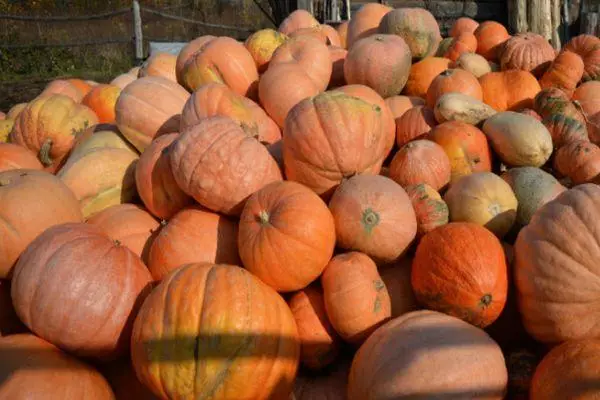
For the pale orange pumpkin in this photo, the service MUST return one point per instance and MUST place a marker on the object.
(187, 52)
(365, 22)
(527, 52)
(421, 161)
(65, 88)
(160, 64)
(453, 80)
(414, 124)
(398, 105)
(462, 25)
(298, 19)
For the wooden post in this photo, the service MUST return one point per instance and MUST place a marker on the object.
(566, 17)
(589, 23)
(348, 10)
(555, 23)
(517, 15)
(137, 33)
(540, 17)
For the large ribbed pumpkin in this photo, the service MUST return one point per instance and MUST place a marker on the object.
(286, 235)
(426, 354)
(527, 52)
(13, 156)
(80, 290)
(32, 368)
(32, 201)
(149, 107)
(215, 331)
(220, 166)
(421, 161)
(365, 22)
(373, 215)
(332, 136)
(193, 235)
(557, 267)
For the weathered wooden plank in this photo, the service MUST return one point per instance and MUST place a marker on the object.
(589, 23)
(452, 9)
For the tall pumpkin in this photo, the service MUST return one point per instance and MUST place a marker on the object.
(232, 331)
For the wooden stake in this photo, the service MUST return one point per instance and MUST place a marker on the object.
(137, 32)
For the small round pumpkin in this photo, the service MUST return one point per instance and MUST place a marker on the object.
(464, 43)
(373, 215)
(286, 235)
(396, 277)
(13, 156)
(398, 105)
(356, 299)
(298, 19)
(423, 73)
(509, 90)
(187, 52)
(102, 100)
(588, 48)
(193, 235)
(527, 52)
(462, 25)
(579, 161)
(414, 124)
(453, 80)
(485, 199)
(491, 36)
(565, 73)
(262, 44)
(365, 22)
(218, 147)
(160, 64)
(421, 161)
(430, 209)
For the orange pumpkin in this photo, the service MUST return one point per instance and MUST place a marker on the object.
(102, 100)
(160, 64)
(396, 277)
(564, 73)
(453, 80)
(373, 215)
(565, 130)
(491, 36)
(333, 38)
(464, 43)
(430, 209)
(414, 124)
(586, 96)
(13, 157)
(226, 322)
(365, 22)
(356, 299)
(462, 25)
(262, 44)
(527, 52)
(389, 75)
(423, 73)
(588, 48)
(421, 161)
(193, 235)
(338, 58)
(320, 344)
(578, 160)
(63, 87)
(509, 90)
(398, 105)
(298, 19)
(342, 30)
(187, 52)
(286, 235)
(460, 269)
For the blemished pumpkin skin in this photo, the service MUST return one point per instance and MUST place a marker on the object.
(579, 160)
(49, 125)
(414, 356)
(365, 22)
(130, 225)
(465, 145)
(333, 37)
(218, 147)
(554, 101)
(102, 99)
(330, 384)
(262, 44)
(527, 52)
(15, 110)
(349, 133)
(149, 107)
(230, 323)
(389, 75)
(557, 253)
(588, 48)
(25, 213)
(13, 157)
(356, 299)
(533, 188)
(310, 54)
(320, 343)
(223, 60)
(187, 52)
(398, 105)
(475, 64)
(462, 25)
(35, 369)
(491, 37)
(422, 73)
(154, 179)
(460, 269)
(461, 107)
(338, 58)
(100, 178)
(396, 277)
(509, 90)
(421, 161)
(215, 99)
(283, 86)
(565, 73)
(124, 383)
(568, 371)
(565, 130)
(98, 137)
(298, 19)
(342, 30)
(160, 64)
(286, 235)
(417, 26)
(9, 322)
(464, 43)
(193, 235)
(414, 124)
(63, 87)
(485, 199)
(123, 80)
(453, 81)
(84, 303)
(430, 209)
(373, 215)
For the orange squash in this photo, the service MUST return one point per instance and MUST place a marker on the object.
(462, 25)
(430, 209)
(578, 160)
(464, 43)
(565, 73)
(262, 44)
(527, 52)
(187, 52)
(588, 48)
(365, 22)
(13, 157)
(422, 75)
(414, 124)
(102, 100)
(160, 64)
(491, 36)
(509, 90)
(453, 80)
(421, 161)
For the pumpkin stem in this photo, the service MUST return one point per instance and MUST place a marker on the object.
(447, 72)
(485, 300)
(117, 242)
(45, 152)
(263, 217)
(370, 219)
(4, 182)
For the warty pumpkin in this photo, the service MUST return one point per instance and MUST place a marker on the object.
(491, 36)
(452, 81)
(421, 161)
(431, 211)
(565, 72)
(102, 100)
(422, 73)
(527, 52)
(160, 64)
(13, 156)
(365, 22)
(509, 90)
(262, 44)
(588, 48)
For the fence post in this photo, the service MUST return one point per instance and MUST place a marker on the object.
(137, 33)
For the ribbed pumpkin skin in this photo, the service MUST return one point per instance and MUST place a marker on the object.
(64, 87)
(187, 52)
(426, 354)
(527, 52)
(48, 127)
(568, 372)
(218, 147)
(373, 215)
(262, 44)
(15, 110)
(389, 75)
(462, 25)
(102, 99)
(490, 35)
(509, 90)
(26, 213)
(193, 235)
(533, 188)
(149, 107)
(554, 101)
(13, 156)
(453, 80)
(396, 277)
(421, 161)
(101, 136)
(353, 142)
(417, 26)
(286, 235)
(233, 330)
(356, 299)
(557, 254)
(565, 130)
(78, 289)
(213, 99)
(35, 369)
(565, 73)
(414, 124)
(398, 105)
(155, 182)
(588, 48)
(298, 19)
(365, 22)
(579, 160)
(430, 209)
(320, 343)
(423, 73)
(160, 64)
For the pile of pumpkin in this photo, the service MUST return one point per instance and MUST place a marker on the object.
(367, 212)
